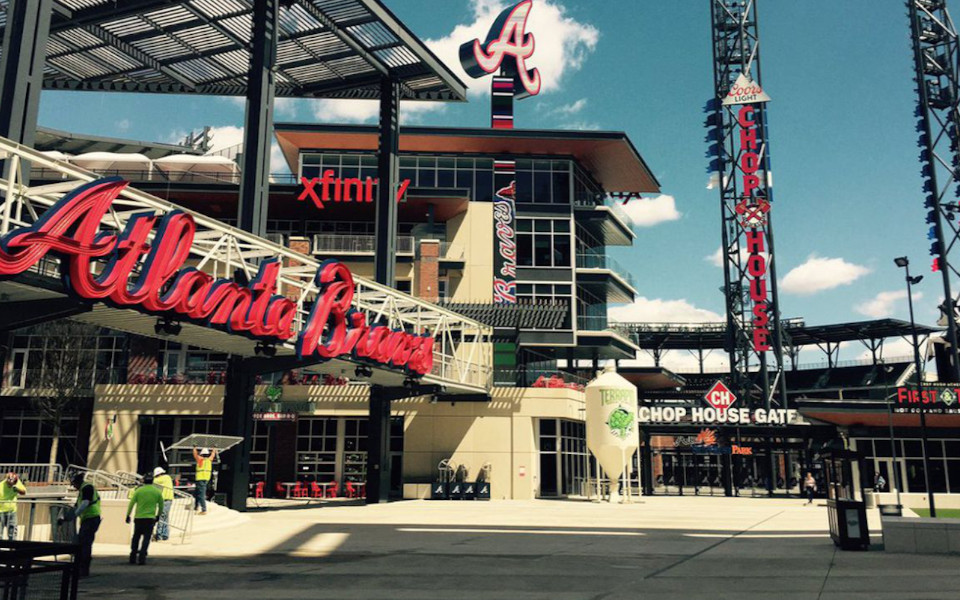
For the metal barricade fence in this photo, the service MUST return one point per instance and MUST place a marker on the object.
(35, 473)
(121, 484)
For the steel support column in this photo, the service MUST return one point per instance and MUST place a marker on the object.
(387, 170)
(21, 67)
(238, 421)
(258, 122)
(378, 446)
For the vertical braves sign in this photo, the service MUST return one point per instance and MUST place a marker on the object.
(505, 243)
(753, 207)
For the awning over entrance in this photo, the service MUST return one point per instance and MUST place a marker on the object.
(461, 353)
(866, 413)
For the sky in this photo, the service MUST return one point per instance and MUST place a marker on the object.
(841, 130)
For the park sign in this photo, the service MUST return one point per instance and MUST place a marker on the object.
(131, 271)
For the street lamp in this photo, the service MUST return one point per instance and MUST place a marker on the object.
(894, 473)
(904, 263)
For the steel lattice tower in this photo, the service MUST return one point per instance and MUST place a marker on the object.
(936, 52)
(736, 51)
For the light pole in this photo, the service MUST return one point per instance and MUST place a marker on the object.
(904, 263)
(895, 470)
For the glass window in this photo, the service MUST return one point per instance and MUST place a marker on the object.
(548, 427)
(953, 473)
(445, 178)
(426, 178)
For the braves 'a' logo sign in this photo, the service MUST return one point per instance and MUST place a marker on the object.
(507, 47)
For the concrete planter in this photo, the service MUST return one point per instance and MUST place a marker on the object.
(921, 536)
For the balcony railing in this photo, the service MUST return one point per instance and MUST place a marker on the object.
(537, 378)
(611, 204)
(158, 176)
(326, 243)
(82, 380)
(602, 261)
(593, 322)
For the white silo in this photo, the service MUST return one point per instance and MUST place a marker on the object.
(612, 434)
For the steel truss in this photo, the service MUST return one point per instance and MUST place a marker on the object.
(936, 54)
(463, 351)
(736, 50)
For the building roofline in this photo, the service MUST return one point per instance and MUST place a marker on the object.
(478, 132)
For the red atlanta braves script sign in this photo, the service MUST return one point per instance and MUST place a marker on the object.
(507, 47)
(163, 284)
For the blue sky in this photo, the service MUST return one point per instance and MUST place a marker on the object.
(843, 145)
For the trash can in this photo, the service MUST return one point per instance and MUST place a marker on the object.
(870, 499)
(848, 524)
(438, 491)
(482, 491)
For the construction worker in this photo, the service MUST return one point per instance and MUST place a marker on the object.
(148, 500)
(87, 509)
(10, 488)
(165, 483)
(204, 460)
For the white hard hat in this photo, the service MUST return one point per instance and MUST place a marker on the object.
(158, 472)
(205, 452)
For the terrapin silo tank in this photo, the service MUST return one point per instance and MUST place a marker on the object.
(611, 415)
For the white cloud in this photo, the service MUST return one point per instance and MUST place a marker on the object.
(286, 107)
(882, 304)
(647, 212)
(570, 109)
(562, 43)
(224, 137)
(819, 274)
(658, 310)
(368, 111)
(228, 136)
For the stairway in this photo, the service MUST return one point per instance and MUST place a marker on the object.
(217, 518)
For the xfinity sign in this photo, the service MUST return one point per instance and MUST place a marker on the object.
(720, 397)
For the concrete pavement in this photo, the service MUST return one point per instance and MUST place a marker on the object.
(690, 548)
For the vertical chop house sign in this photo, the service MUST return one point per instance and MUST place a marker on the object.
(753, 207)
(151, 276)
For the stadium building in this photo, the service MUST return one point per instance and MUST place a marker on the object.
(492, 243)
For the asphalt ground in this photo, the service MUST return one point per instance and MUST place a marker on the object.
(689, 548)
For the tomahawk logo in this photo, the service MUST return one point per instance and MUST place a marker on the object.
(507, 47)
(706, 437)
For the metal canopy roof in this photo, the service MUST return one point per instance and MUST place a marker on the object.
(692, 336)
(326, 49)
(79, 143)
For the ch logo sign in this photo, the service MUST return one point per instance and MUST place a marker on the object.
(720, 397)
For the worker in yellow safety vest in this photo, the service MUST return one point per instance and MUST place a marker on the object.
(204, 458)
(87, 509)
(10, 488)
(165, 483)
